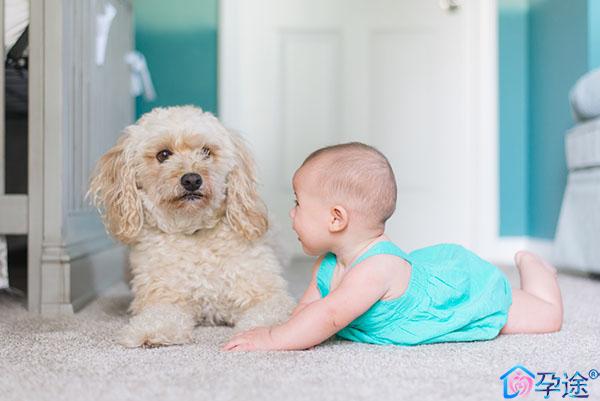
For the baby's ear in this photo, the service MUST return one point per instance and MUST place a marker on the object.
(338, 219)
(246, 213)
(113, 191)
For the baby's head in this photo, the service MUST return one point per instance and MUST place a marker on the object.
(343, 187)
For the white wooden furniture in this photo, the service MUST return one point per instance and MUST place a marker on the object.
(76, 110)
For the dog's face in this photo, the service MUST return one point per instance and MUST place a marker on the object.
(181, 175)
(180, 170)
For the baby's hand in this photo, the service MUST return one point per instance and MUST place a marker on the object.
(252, 340)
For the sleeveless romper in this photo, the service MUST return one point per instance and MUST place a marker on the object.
(452, 295)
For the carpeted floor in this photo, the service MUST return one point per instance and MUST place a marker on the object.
(75, 358)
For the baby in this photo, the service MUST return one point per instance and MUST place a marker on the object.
(366, 289)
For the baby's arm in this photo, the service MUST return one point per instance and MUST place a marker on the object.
(319, 320)
(312, 293)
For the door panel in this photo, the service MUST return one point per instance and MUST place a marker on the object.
(389, 73)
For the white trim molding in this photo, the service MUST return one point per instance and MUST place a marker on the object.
(484, 128)
(486, 240)
(503, 249)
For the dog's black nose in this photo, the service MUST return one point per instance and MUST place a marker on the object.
(191, 181)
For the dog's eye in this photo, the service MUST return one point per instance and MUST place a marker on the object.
(163, 155)
(206, 151)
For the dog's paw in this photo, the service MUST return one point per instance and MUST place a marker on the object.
(158, 325)
(131, 337)
(272, 311)
(244, 325)
(134, 337)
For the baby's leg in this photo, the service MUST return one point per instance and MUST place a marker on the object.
(537, 306)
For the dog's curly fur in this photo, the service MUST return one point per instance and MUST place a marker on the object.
(197, 256)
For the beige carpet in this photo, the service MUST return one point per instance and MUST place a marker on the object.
(75, 358)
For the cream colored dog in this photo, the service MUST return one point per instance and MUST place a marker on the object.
(180, 190)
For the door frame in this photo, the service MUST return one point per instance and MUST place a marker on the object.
(482, 100)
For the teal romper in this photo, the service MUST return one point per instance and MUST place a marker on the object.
(452, 295)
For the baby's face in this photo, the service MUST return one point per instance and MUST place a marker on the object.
(310, 214)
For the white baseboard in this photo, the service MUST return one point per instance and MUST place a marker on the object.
(543, 247)
(502, 250)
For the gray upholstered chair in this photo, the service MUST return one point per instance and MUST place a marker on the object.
(577, 243)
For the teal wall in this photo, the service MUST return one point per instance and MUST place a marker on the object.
(594, 33)
(513, 51)
(544, 47)
(558, 57)
(179, 40)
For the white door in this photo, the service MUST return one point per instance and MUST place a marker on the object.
(300, 74)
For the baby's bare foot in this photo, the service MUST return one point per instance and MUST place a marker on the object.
(525, 258)
(539, 278)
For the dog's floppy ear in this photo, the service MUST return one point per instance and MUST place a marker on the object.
(113, 191)
(245, 213)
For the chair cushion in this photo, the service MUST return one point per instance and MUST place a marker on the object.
(582, 145)
(585, 96)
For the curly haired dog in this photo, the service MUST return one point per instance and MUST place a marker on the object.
(180, 190)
